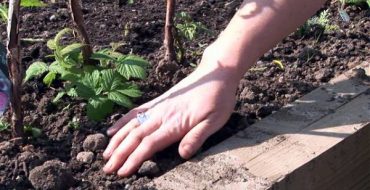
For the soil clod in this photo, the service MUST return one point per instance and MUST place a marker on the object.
(95, 142)
(149, 168)
(52, 175)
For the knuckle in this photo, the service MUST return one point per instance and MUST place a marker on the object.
(137, 135)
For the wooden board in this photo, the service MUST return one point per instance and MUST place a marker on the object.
(318, 142)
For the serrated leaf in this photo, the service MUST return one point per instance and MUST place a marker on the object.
(85, 91)
(98, 108)
(72, 48)
(51, 45)
(110, 80)
(49, 78)
(58, 97)
(132, 66)
(100, 56)
(130, 91)
(120, 99)
(36, 69)
(60, 34)
(72, 92)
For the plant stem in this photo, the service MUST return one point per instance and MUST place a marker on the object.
(78, 20)
(168, 34)
(14, 65)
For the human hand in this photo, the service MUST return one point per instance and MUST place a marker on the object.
(191, 111)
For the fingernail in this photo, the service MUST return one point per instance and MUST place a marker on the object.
(107, 167)
(106, 154)
(122, 171)
(188, 150)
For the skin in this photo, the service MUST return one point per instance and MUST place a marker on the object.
(201, 103)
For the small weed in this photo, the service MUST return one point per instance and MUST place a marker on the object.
(322, 22)
(186, 30)
(4, 125)
(33, 131)
(74, 124)
(32, 3)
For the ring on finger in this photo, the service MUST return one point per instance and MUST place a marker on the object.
(142, 117)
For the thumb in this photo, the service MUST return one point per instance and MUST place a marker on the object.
(195, 138)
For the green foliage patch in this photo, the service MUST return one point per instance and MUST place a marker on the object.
(3, 12)
(186, 30)
(102, 85)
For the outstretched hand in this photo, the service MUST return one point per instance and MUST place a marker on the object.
(191, 111)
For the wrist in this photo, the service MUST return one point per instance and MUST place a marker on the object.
(231, 60)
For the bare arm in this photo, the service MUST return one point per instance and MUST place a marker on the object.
(258, 26)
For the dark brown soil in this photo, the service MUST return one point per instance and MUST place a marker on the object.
(263, 90)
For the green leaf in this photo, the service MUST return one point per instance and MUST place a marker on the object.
(32, 3)
(70, 49)
(132, 66)
(35, 132)
(130, 90)
(51, 45)
(93, 78)
(72, 92)
(49, 78)
(101, 56)
(58, 97)
(120, 99)
(85, 91)
(60, 34)
(4, 125)
(3, 12)
(98, 108)
(36, 69)
(110, 80)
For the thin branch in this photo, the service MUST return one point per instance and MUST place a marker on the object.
(168, 32)
(15, 68)
(78, 20)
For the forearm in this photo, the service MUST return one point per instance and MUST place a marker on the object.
(256, 27)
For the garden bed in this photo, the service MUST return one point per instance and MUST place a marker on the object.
(309, 61)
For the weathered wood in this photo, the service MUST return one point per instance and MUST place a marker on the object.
(345, 166)
(315, 129)
(15, 68)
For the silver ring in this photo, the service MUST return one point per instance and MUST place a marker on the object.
(142, 117)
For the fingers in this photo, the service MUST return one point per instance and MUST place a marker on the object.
(119, 137)
(151, 144)
(195, 138)
(126, 118)
(130, 143)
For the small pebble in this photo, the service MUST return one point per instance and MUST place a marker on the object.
(149, 168)
(53, 18)
(85, 157)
